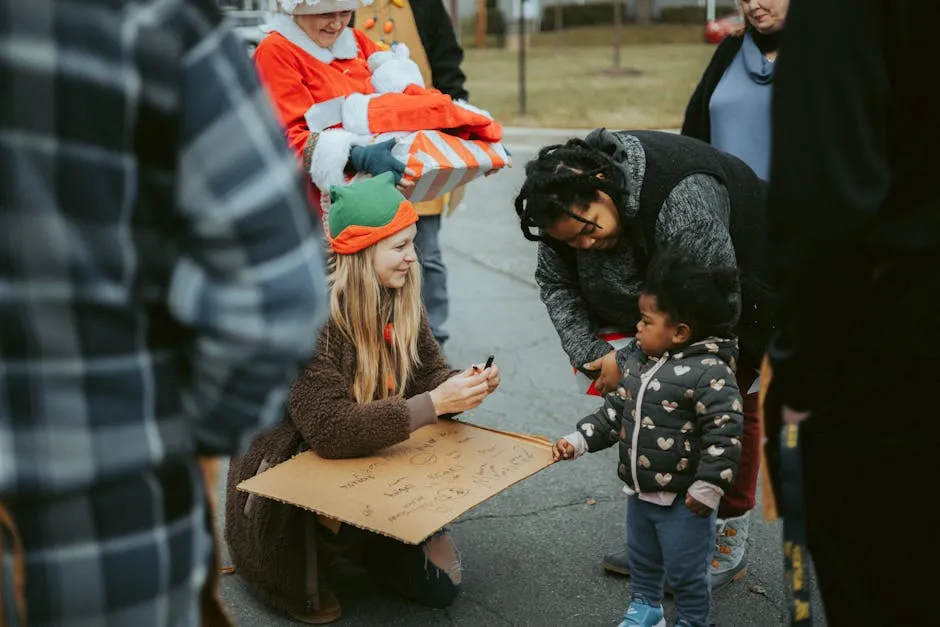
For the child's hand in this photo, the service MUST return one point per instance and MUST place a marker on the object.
(563, 449)
(698, 508)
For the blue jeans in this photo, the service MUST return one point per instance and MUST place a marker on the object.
(675, 543)
(434, 275)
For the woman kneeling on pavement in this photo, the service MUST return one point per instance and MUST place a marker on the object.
(377, 376)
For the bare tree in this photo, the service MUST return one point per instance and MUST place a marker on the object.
(644, 11)
(618, 32)
(618, 69)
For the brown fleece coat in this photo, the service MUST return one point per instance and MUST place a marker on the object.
(271, 543)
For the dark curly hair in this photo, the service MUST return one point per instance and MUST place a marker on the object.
(705, 298)
(563, 177)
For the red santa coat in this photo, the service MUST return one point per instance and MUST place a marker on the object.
(297, 80)
(298, 74)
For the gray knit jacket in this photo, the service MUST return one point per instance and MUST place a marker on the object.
(603, 290)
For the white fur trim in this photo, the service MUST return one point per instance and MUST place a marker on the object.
(393, 70)
(356, 114)
(401, 49)
(323, 115)
(345, 46)
(394, 75)
(376, 59)
(313, 7)
(463, 104)
(398, 50)
(330, 156)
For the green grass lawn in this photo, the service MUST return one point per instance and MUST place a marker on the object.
(571, 86)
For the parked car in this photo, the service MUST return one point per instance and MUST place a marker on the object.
(247, 25)
(718, 29)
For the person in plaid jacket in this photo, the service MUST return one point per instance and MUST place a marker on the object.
(160, 281)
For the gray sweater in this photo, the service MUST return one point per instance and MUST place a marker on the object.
(603, 290)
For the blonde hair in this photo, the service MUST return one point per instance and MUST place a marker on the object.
(361, 307)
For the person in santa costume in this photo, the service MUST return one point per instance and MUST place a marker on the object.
(335, 90)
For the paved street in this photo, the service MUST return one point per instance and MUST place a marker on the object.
(531, 554)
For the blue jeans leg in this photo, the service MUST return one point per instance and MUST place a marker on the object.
(644, 553)
(688, 542)
(434, 275)
(671, 543)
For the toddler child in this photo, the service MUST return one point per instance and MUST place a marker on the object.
(677, 417)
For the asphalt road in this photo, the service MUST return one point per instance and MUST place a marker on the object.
(531, 555)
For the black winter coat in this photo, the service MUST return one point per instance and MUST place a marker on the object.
(440, 43)
(678, 419)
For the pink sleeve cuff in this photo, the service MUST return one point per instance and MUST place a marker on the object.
(706, 493)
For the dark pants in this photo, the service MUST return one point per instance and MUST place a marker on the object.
(671, 545)
(869, 462)
(405, 569)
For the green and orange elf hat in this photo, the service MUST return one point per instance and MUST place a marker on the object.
(366, 212)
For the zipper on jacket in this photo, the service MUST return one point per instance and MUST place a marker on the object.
(645, 379)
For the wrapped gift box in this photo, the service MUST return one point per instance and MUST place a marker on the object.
(442, 162)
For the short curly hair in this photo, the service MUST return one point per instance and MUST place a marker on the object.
(706, 298)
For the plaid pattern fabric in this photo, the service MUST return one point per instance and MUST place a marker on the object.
(133, 552)
(161, 278)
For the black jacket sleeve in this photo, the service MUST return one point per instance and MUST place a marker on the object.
(697, 121)
(440, 43)
(830, 176)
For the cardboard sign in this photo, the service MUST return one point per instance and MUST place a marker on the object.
(413, 489)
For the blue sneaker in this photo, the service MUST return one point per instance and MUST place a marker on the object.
(643, 614)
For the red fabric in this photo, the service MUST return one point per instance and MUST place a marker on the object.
(296, 81)
(356, 237)
(743, 494)
(607, 337)
(390, 379)
(421, 109)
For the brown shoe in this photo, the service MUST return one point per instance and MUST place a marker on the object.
(616, 562)
(329, 612)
